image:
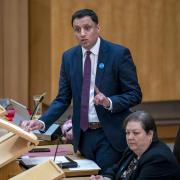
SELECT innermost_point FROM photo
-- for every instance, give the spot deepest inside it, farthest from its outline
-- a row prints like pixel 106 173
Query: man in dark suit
pixel 112 90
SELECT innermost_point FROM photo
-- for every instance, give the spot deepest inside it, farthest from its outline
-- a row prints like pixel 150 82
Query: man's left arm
pixel 130 94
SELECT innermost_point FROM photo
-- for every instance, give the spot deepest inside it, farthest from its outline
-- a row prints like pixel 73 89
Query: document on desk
pixel 38 160
pixel 85 164
pixel 62 161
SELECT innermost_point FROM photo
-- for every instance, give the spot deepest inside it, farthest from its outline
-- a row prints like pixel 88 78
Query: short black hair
pixel 85 12
pixel 146 120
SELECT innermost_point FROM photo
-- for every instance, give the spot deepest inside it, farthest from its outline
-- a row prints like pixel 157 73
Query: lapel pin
pixel 101 66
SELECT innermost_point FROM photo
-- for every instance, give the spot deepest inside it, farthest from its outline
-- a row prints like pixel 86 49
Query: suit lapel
pixel 102 62
pixel 78 69
pixel 101 65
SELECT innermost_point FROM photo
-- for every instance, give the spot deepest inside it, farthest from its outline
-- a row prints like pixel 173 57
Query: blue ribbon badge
pixel 101 66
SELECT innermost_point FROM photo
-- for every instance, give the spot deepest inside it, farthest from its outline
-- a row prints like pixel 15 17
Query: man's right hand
pixel 32 125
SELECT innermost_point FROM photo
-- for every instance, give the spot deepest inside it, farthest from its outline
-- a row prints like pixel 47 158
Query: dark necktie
pixel 85 93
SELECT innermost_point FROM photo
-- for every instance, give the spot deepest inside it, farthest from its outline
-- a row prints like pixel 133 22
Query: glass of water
pixel 37 106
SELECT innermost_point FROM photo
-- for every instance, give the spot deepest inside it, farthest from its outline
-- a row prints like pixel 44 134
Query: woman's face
pixel 137 138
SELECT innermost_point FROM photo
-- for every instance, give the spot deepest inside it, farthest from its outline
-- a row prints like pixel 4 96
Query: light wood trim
pixel 14 48
pixel 1 52
pixel 149 29
pixel 13 148
pixel 167 133
pixel 10 170
pixel 29 136
pixel 40 48
pixel 46 171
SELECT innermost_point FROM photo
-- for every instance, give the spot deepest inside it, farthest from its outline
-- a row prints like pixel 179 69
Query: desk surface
pixel 72 173
pixel 12 169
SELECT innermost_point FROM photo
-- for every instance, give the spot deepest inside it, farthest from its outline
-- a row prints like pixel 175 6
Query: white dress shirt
pixel 92 115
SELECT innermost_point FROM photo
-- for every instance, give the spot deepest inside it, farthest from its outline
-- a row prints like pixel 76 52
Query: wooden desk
pixel 10 170
pixel 74 156
pixel 13 168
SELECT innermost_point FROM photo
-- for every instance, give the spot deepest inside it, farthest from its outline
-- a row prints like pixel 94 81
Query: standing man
pixel 100 77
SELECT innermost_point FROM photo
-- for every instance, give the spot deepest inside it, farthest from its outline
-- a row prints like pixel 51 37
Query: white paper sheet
pixel 85 164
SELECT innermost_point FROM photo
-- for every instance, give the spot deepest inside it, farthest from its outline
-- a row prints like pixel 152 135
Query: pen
pixel 69 129
pixel 66 131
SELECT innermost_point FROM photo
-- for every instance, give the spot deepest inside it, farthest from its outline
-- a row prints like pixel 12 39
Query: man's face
pixel 86 31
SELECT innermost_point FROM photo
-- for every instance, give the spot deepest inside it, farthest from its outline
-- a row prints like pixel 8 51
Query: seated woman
pixel 146 156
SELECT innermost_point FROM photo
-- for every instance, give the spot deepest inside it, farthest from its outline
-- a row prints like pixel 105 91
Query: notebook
pixel 21 112
pixel 61 161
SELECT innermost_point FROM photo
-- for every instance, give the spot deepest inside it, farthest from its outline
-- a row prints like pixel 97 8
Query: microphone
pixel 57 146
pixel 71 163
pixel 37 105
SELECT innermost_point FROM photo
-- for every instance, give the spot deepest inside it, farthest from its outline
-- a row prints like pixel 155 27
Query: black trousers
pixel 95 146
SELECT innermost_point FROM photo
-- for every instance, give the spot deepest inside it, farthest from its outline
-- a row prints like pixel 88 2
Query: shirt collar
pixel 94 49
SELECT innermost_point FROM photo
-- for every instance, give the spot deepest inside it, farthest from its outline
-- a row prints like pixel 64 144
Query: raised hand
pixel 101 99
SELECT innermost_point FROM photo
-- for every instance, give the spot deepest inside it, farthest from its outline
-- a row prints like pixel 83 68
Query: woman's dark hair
pixel 85 12
pixel 146 120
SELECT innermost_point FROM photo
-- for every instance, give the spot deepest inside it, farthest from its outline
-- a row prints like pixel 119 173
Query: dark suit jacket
pixel 177 146
pixel 157 163
pixel 117 80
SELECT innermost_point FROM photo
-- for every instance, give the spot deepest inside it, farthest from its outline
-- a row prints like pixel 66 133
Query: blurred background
pixel 34 33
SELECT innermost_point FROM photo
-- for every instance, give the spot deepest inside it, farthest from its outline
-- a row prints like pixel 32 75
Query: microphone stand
pixel 57 145
pixel 55 154
pixel 37 105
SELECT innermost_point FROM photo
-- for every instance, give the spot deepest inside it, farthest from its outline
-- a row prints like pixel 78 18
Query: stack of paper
pixel 85 164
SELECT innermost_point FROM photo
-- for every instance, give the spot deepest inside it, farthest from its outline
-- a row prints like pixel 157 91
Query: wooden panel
pixel 10 170
pixel 46 170
pixel 161 111
pixel 166 115
pixel 15 49
pixel 167 133
pixel 149 28
pixel 40 48
pixel 1 53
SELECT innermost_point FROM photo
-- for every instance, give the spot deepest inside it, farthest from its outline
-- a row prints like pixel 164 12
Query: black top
pixel 157 163
pixel 126 173
pixel 177 146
